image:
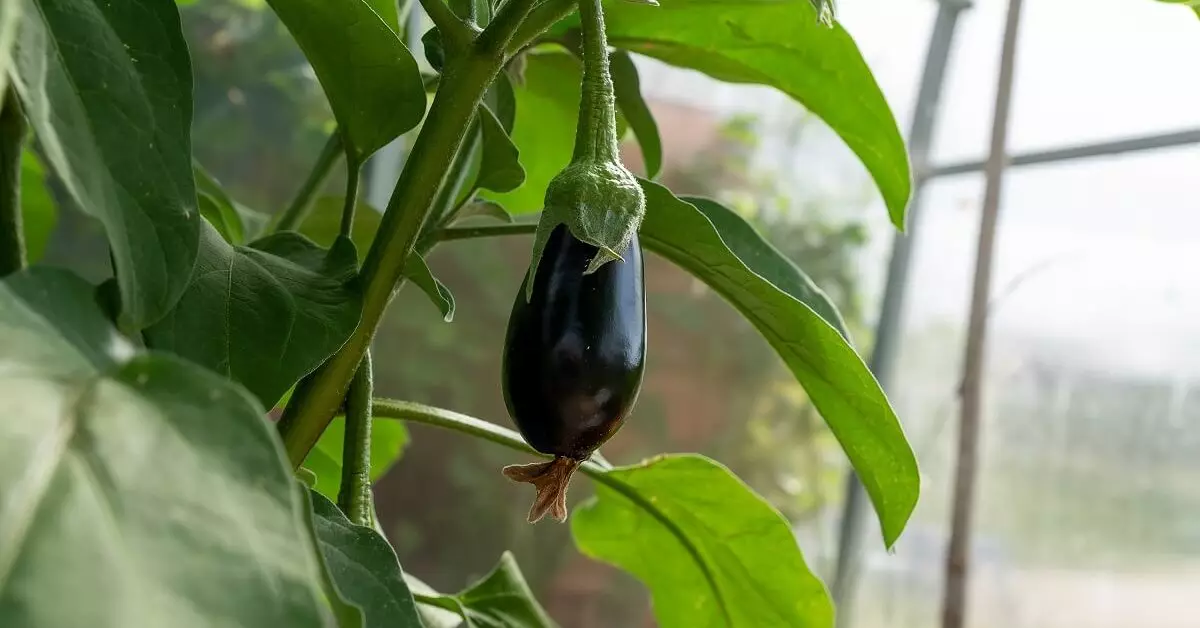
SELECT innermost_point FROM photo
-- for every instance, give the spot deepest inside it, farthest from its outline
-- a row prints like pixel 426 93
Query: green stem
pixel 484 231
pixel 456 35
pixel 547 14
pixel 444 205
pixel 12 138
pixel 596 133
pixel 353 173
pixel 298 210
pixel 354 493
pixel 318 396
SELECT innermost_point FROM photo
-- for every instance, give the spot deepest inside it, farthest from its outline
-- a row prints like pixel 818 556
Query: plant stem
pixel 486 231
pixel 596 133
pixel 456 36
pixel 547 14
pixel 458 174
pixel 354 494
pixel 298 210
pixel 353 173
pixel 12 138
pixel 318 396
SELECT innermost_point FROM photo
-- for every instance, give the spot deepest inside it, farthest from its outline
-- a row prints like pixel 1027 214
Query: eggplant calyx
pixel 550 479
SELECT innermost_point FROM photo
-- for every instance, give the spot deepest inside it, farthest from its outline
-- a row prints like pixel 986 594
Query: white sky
pixel 1119 234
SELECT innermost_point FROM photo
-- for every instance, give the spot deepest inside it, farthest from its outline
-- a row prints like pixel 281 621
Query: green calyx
pixel 596 197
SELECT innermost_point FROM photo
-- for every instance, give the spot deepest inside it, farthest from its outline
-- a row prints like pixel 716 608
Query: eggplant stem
pixel 550 479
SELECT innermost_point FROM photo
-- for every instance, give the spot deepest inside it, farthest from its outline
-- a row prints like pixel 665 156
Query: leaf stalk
pixel 302 204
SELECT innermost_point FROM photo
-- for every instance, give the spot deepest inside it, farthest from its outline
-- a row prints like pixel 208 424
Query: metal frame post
pixel 888 328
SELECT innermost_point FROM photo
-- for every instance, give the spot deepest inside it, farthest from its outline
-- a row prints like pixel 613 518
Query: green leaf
pixel 418 272
pixel 764 260
pixel 501 599
pixel 138 489
pixel 235 223
pixel 324 222
pixel 628 90
pixel 107 87
pixel 10 14
pixel 389 12
pixel 388 440
pixel 266 314
pixel 484 209
pixel 784 45
pixel 839 384
pixel 711 551
pixel 363 568
pixel 499 167
pixel 39 214
pixel 502 101
pixel 372 81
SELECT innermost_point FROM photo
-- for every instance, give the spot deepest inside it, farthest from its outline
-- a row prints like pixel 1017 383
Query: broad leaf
pixel 372 81
pixel 712 552
pixel 363 568
pixel 784 45
pixel 835 378
pixel 628 90
pixel 39 214
pixel 266 314
pixel 135 488
pixel 324 222
pixel 107 87
pixel 501 599
pixel 502 101
pixel 499 166
pixel 388 440
pixel 389 12
pixel 10 13
pixel 764 260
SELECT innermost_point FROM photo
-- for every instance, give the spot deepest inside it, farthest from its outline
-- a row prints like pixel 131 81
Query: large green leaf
pixel 372 81
pixel 363 567
pixel 107 86
pixel 135 489
pixel 266 314
pixel 501 599
pixel 712 552
pixel 388 440
pixel 627 87
pixel 764 260
pixel 10 13
pixel 782 44
pixel 39 214
pixel 837 381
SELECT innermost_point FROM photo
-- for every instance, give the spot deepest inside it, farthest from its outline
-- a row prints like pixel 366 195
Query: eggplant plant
pixel 143 478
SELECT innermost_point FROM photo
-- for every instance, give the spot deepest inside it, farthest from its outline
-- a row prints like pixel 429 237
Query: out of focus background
pixel 1088 509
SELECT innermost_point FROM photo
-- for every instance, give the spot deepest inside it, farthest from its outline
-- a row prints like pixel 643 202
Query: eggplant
pixel 574 355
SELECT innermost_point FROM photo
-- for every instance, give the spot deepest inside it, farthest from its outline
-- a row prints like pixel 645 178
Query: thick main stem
pixel 12 138
pixel 354 494
pixel 596 133
pixel 318 396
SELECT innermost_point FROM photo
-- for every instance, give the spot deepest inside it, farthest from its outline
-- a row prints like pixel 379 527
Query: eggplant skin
pixel 574 354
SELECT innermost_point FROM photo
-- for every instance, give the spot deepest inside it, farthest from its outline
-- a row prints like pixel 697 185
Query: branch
pixel 298 210
pixel 485 231
pixel 456 36
pixel 12 138
pixel 317 397
pixel 354 493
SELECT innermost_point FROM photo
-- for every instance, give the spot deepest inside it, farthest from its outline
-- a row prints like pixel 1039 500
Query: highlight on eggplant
pixel 574 355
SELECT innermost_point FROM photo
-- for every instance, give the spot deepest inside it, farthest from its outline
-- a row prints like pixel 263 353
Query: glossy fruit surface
pixel 575 352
